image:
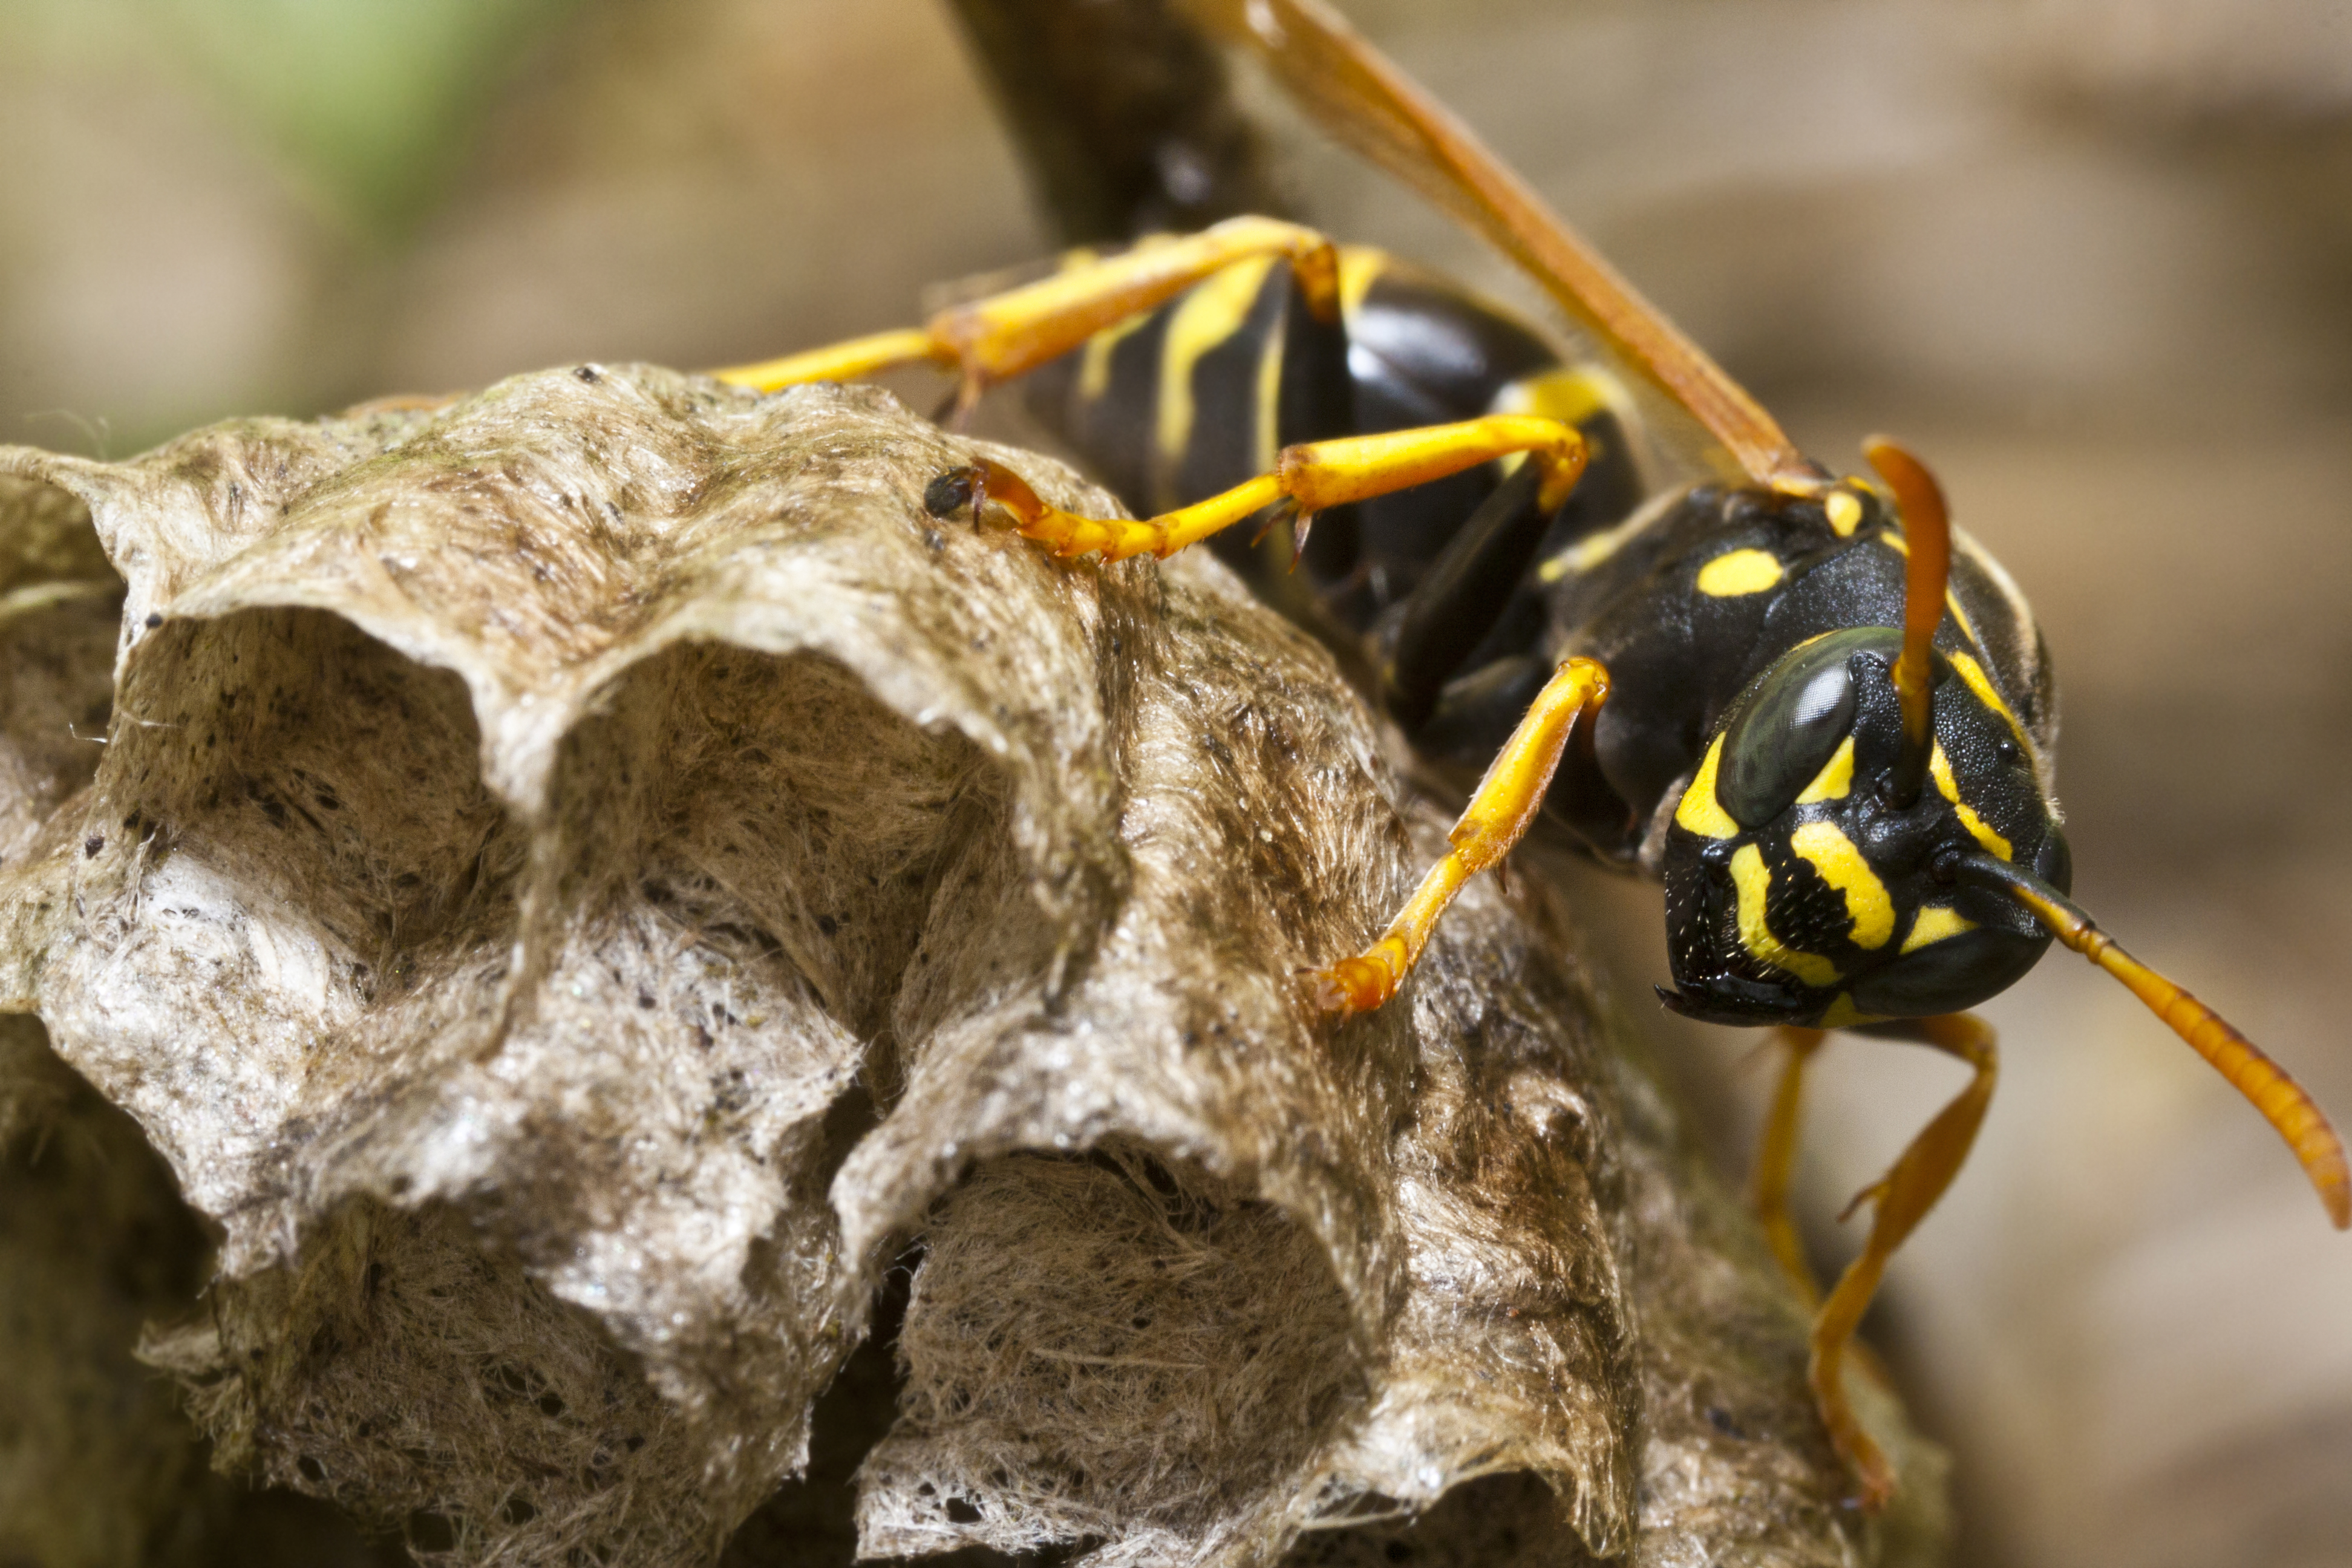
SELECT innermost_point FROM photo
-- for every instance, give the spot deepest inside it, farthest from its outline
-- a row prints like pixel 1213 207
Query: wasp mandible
pixel 1802 702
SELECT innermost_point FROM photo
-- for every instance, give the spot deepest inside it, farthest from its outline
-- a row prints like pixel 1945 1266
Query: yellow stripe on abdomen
pixel 1209 315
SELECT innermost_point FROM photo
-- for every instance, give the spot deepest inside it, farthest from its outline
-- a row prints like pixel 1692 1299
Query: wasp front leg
pixel 1500 811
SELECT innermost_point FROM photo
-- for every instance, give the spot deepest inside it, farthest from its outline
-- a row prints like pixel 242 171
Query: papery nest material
pixel 579 881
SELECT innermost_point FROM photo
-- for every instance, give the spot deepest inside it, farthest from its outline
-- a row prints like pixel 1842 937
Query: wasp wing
pixel 1363 98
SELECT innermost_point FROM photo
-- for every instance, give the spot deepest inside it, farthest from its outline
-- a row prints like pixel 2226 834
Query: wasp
pixel 1818 714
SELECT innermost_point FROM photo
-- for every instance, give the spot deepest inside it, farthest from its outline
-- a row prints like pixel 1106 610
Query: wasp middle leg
pixel 1313 477
pixel 1776 1162
pixel 1900 1200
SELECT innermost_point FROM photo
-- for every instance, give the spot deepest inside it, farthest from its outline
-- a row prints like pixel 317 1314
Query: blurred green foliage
pixel 369 101
pixel 366 106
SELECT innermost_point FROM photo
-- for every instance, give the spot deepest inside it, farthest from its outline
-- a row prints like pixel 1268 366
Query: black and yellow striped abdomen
pixel 1196 397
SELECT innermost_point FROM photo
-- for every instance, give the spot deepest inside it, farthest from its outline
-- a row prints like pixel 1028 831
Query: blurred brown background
pixel 2092 257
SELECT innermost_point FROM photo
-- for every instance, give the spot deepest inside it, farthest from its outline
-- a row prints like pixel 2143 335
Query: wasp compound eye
pixel 1793 722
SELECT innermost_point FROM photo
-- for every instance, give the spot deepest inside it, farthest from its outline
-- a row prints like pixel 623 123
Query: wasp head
pixel 1803 887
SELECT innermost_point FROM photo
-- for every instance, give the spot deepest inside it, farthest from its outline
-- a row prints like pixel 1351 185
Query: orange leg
pixel 1900 1200
pixel 1311 479
pixel 1505 802
pixel 1776 1161
pixel 1008 334
pixel 1306 480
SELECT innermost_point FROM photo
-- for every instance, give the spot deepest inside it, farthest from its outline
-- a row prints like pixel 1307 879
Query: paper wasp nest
pixel 580 885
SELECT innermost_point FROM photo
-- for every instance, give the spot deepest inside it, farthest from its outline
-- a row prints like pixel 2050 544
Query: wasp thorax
pixel 1800 889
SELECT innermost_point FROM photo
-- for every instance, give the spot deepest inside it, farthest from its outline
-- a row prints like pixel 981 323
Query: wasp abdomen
pixel 1194 399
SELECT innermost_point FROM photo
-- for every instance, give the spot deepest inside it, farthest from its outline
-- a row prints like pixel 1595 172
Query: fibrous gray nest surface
pixel 580 885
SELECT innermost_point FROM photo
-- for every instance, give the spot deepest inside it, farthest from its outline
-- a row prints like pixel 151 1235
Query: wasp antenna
pixel 2283 1102
pixel 1928 537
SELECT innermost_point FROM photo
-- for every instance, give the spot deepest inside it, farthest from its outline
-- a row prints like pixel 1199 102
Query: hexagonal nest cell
pixel 523 920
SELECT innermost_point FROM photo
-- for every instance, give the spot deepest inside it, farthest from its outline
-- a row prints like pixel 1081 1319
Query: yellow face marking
pixel 1210 314
pixel 1753 881
pixel 1869 912
pixel 1981 684
pixel 1845 509
pixel 1836 777
pixel 1939 768
pixel 1934 923
pixel 1360 267
pixel 1736 573
pixel 1699 811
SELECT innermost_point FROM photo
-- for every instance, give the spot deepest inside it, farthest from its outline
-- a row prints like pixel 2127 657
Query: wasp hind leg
pixel 1900 1200
pixel 1011 333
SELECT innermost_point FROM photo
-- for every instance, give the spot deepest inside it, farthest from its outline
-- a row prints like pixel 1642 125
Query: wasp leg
pixel 1460 597
pixel 1505 802
pixel 1306 479
pixel 1007 334
pixel 1776 1162
pixel 1476 714
pixel 1900 1200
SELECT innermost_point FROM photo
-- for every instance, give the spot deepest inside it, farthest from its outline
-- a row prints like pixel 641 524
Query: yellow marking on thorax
pixel 1736 573
pixel 1869 912
pixel 1844 510
pixel 1934 923
pixel 1939 768
pixel 1699 812
pixel 1210 314
pixel 1752 880
pixel 1835 779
